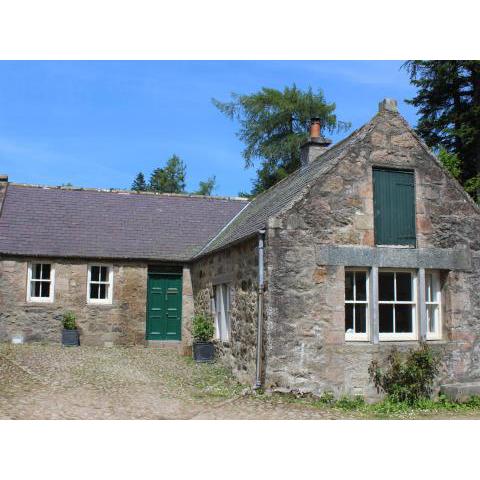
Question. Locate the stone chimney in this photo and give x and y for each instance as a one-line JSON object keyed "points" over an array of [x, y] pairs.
{"points": [[388, 105], [3, 188], [316, 144]]}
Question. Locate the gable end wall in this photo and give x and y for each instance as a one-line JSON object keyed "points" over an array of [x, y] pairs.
{"points": [[306, 349]]}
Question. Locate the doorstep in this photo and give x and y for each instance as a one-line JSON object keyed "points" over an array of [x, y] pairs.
{"points": [[176, 345]]}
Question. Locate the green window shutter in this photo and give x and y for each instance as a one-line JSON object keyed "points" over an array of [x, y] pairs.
{"points": [[394, 207]]}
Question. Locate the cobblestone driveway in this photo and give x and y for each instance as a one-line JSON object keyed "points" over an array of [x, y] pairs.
{"points": [[51, 382]]}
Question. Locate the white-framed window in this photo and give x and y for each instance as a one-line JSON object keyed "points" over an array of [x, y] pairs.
{"points": [[222, 312], [356, 305], [397, 304], [100, 284], [433, 298], [41, 282]]}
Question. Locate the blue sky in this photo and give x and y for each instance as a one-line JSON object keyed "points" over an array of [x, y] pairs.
{"points": [[98, 123]]}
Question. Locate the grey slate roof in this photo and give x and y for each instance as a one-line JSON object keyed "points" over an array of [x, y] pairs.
{"points": [[255, 216], [54, 222]]}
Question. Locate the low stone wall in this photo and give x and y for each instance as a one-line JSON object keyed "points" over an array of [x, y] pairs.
{"points": [[237, 267]]}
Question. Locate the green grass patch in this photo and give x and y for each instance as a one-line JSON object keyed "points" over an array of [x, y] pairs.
{"points": [[357, 407], [212, 380]]}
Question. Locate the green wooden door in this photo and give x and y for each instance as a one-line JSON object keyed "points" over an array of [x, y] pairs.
{"points": [[394, 207], [164, 307]]}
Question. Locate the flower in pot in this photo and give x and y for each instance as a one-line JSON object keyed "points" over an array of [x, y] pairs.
{"points": [[202, 331], [70, 336]]}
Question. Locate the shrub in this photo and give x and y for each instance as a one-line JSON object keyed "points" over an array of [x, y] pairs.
{"points": [[69, 321], [202, 328], [409, 380]]}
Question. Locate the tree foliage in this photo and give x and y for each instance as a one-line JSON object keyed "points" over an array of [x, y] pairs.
{"points": [[207, 187], [139, 184], [448, 102], [273, 126], [171, 178], [451, 162]]}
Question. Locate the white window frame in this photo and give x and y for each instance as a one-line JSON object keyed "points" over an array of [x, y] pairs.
{"points": [[100, 301], [359, 337], [30, 280], [436, 301], [414, 303], [222, 323]]}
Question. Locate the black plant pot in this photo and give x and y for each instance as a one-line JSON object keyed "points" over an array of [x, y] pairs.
{"points": [[70, 338], [203, 352]]}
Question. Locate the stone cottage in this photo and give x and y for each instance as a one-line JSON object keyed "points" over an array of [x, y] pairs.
{"points": [[371, 243]]}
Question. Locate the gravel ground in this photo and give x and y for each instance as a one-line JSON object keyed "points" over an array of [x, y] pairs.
{"points": [[52, 382]]}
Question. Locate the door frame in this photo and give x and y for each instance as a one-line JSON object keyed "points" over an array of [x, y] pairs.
{"points": [[154, 271]]}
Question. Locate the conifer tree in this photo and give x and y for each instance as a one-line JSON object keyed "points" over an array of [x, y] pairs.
{"points": [[448, 102], [171, 178], [273, 126], [139, 184]]}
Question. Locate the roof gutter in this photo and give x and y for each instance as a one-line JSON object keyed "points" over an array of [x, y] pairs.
{"points": [[260, 300]]}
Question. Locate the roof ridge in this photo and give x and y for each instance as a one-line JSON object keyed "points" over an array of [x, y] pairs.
{"points": [[128, 192]]}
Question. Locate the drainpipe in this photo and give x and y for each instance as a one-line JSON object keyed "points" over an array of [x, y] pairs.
{"points": [[261, 284]]}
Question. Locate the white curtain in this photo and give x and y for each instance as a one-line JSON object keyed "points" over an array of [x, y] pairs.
{"points": [[222, 314]]}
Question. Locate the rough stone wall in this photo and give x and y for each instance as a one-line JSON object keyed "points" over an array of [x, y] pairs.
{"points": [[123, 322], [187, 309], [306, 347], [238, 267]]}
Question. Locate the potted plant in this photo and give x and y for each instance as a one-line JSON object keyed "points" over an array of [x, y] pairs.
{"points": [[202, 331], [70, 336]]}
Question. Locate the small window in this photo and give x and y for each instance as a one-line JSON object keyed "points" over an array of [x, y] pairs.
{"points": [[433, 305], [222, 312], [397, 305], [40, 282], [356, 305], [100, 284]]}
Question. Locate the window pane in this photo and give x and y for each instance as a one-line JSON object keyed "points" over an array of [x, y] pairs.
{"points": [[360, 318], [45, 289], [348, 285], [94, 290], [46, 271], [403, 318], [404, 286], [385, 285], [103, 291], [361, 285], [428, 287], [432, 316], [37, 270], [103, 274], [35, 291], [386, 318], [349, 317], [95, 274]]}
